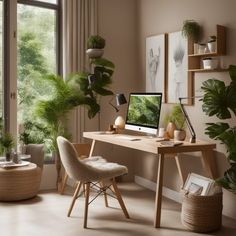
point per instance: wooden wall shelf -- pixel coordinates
(208, 70)
(195, 59)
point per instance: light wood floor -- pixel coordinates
(45, 215)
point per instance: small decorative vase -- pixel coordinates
(179, 135)
(120, 122)
(171, 127)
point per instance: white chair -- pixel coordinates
(89, 172)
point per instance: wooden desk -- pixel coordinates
(147, 144)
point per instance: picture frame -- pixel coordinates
(178, 84)
(156, 64)
(198, 185)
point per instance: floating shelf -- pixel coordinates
(210, 54)
(208, 70)
(195, 59)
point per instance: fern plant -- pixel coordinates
(67, 94)
(220, 100)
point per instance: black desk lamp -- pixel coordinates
(189, 124)
(120, 100)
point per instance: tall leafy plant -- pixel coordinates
(220, 100)
(80, 88)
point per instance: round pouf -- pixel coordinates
(202, 213)
(19, 183)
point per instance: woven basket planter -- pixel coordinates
(202, 213)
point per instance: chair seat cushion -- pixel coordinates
(94, 158)
(106, 169)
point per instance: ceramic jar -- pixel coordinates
(179, 135)
(171, 127)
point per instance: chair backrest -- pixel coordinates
(37, 154)
(76, 169)
(82, 149)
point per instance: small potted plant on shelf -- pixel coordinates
(6, 144)
(212, 44)
(210, 63)
(220, 100)
(95, 46)
(177, 118)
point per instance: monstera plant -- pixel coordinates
(220, 100)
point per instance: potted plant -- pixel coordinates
(191, 30)
(210, 63)
(6, 144)
(95, 46)
(220, 100)
(82, 88)
(212, 43)
(176, 123)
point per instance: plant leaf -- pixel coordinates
(232, 72)
(216, 100)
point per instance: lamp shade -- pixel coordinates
(120, 99)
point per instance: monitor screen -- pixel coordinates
(143, 112)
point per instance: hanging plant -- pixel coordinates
(191, 30)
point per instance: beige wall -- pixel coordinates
(118, 25)
(164, 16)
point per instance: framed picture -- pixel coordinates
(177, 83)
(198, 185)
(155, 64)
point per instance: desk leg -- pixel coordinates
(208, 163)
(92, 148)
(158, 200)
(180, 170)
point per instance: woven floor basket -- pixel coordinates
(202, 213)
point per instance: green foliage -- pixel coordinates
(70, 93)
(6, 142)
(212, 39)
(176, 116)
(191, 29)
(220, 100)
(30, 57)
(96, 41)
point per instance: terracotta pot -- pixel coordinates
(179, 135)
(171, 127)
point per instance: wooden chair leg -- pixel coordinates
(105, 194)
(74, 198)
(64, 183)
(86, 204)
(119, 198)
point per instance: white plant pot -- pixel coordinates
(210, 63)
(212, 46)
(94, 52)
(201, 48)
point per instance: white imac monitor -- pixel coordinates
(143, 112)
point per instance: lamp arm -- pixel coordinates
(192, 132)
(113, 105)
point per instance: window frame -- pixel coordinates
(6, 50)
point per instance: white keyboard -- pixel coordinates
(127, 137)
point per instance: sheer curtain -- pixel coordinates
(79, 21)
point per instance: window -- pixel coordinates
(1, 57)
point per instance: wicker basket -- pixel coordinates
(202, 213)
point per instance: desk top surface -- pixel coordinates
(148, 144)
